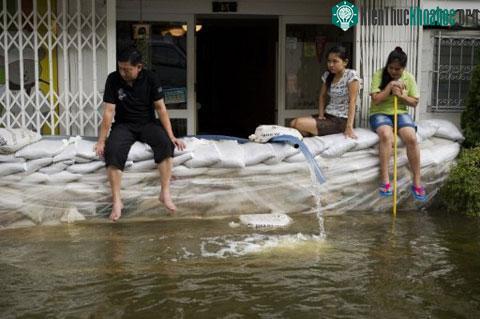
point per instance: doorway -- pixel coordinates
(235, 74)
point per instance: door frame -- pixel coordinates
(282, 112)
(189, 114)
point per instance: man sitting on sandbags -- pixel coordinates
(132, 95)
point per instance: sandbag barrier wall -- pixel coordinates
(50, 181)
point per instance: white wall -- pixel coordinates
(130, 9)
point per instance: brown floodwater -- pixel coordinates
(419, 265)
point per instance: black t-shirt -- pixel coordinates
(133, 104)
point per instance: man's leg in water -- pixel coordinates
(165, 168)
(115, 179)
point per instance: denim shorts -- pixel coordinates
(404, 120)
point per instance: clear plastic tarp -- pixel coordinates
(51, 181)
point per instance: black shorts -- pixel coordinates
(123, 135)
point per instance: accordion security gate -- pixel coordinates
(54, 59)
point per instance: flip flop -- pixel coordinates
(385, 190)
(419, 193)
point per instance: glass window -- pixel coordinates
(163, 46)
(305, 61)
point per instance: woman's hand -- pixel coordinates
(178, 143)
(349, 132)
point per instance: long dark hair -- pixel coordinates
(396, 55)
(342, 54)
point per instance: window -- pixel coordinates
(454, 58)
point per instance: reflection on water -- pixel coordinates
(424, 266)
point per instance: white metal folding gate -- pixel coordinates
(375, 42)
(54, 58)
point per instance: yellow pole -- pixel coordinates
(395, 125)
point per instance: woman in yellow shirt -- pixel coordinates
(388, 82)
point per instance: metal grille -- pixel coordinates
(54, 59)
(375, 42)
(454, 60)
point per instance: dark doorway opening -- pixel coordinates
(236, 68)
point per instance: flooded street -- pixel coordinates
(369, 266)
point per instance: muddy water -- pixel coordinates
(419, 265)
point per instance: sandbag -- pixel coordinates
(10, 158)
(204, 155)
(42, 149)
(337, 145)
(256, 153)
(85, 168)
(140, 152)
(426, 129)
(448, 130)
(11, 140)
(12, 168)
(35, 165)
(365, 138)
(63, 178)
(231, 155)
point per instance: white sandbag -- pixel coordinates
(204, 155)
(11, 140)
(191, 143)
(281, 152)
(256, 153)
(426, 129)
(35, 178)
(295, 158)
(143, 166)
(86, 149)
(42, 149)
(83, 160)
(140, 152)
(231, 154)
(365, 138)
(180, 159)
(337, 145)
(445, 153)
(68, 153)
(315, 145)
(426, 158)
(10, 158)
(54, 168)
(86, 168)
(264, 133)
(36, 164)
(12, 168)
(448, 130)
(63, 178)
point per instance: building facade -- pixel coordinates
(226, 67)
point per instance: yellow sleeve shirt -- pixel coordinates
(386, 107)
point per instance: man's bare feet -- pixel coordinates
(166, 199)
(116, 211)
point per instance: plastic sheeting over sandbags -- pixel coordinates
(215, 178)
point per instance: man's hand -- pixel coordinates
(322, 117)
(100, 149)
(178, 143)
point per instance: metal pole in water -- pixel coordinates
(395, 124)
